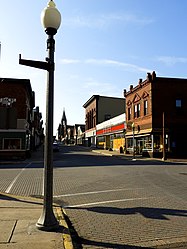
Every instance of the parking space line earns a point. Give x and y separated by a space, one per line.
105 202
15 179
97 192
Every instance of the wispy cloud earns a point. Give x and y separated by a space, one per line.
126 66
171 60
105 20
107 62
69 61
93 86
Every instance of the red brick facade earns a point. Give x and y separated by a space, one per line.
16 104
157 107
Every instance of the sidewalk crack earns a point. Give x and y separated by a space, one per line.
12 232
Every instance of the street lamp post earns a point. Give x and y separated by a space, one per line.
133 141
163 136
51 20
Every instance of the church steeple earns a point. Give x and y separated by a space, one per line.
64 119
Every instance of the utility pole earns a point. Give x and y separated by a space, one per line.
163 136
133 141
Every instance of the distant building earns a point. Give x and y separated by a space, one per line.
157 108
97 110
79 134
16 105
70 134
62 128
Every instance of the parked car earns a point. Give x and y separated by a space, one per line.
56 146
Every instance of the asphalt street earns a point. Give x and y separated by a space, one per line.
111 202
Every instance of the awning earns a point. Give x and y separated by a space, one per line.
142 133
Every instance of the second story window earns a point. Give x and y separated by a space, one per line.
178 103
145 108
137 111
129 113
107 117
179 109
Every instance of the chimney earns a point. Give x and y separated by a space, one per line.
149 77
124 92
153 75
140 81
131 87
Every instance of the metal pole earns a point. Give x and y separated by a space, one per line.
133 128
47 220
163 134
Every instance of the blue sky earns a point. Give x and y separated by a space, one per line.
102 47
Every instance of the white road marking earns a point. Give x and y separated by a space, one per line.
97 192
15 179
105 202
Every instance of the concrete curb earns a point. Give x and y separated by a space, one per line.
66 236
103 153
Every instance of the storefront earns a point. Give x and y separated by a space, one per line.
14 144
148 144
143 144
111 133
90 138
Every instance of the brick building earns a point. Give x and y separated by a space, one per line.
16 104
97 110
157 107
79 134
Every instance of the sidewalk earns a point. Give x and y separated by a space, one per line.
137 157
18 216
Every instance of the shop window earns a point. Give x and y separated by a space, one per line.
129 143
145 107
157 143
147 143
12 144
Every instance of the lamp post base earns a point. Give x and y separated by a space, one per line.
47 222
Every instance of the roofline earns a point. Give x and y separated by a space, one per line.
99 96
90 100
150 79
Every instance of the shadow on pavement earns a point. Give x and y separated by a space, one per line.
150 213
101 244
78 241
21 199
74 156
